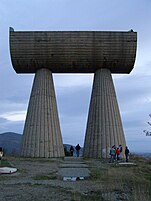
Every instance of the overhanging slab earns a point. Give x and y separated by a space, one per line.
73 51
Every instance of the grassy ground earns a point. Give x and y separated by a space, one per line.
127 182
4 163
38 180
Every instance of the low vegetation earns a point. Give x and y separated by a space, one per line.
107 181
130 182
49 176
4 163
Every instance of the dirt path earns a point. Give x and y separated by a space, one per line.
38 179
42 180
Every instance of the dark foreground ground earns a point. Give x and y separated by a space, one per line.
40 180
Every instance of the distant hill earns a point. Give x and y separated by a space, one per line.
10 142
144 155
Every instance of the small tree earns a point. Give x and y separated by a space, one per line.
148 133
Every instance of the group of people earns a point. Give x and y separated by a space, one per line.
77 148
116 153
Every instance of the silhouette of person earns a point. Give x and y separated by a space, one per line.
126 153
77 149
71 150
121 149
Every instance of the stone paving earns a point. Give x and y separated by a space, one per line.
73 167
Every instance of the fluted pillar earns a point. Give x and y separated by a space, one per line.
104 126
42 135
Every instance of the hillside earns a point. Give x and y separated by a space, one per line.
10 142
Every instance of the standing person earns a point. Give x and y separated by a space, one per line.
121 149
71 150
77 149
126 153
112 154
118 153
115 152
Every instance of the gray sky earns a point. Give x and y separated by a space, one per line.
73 91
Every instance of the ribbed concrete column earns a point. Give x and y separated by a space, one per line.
104 126
42 135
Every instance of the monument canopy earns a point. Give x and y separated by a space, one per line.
73 51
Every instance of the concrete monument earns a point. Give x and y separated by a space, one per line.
47 52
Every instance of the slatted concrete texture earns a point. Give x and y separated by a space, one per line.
104 125
42 134
73 51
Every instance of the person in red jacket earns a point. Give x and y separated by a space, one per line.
118 153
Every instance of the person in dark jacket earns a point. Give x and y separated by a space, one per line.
121 149
126 153
77 149
71 150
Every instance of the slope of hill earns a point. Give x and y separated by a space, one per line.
10 142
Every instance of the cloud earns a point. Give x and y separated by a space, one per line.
73 91
73 80
14 116
11 126
74 101
10 106
140 145
72 131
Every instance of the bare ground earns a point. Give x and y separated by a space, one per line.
38 179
